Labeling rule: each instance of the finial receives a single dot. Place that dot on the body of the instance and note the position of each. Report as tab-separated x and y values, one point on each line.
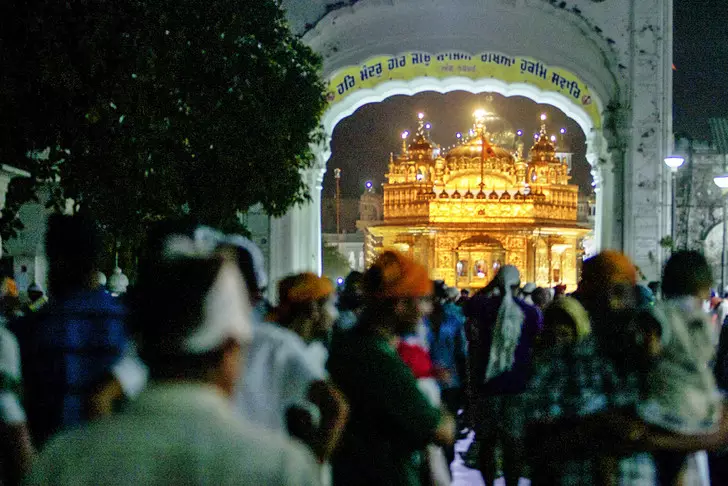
405	134
543	123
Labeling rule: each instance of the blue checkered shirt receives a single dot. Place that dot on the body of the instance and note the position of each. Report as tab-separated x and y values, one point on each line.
577	382
67	351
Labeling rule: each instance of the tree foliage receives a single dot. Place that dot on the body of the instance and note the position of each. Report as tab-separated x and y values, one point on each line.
153	109
335	264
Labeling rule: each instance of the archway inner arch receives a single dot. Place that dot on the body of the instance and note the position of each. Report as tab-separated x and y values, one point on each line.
411	73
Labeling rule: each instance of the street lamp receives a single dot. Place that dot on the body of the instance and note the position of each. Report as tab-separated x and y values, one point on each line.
674	163
722	182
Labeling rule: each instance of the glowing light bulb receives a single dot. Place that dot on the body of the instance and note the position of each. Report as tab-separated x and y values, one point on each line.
519	133
340	281
543	116
563	131
535	135
458	135
428	126
479	114
405	134
553	138
420	115
369	184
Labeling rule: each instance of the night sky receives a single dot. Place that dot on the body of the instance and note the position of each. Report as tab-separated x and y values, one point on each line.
361	143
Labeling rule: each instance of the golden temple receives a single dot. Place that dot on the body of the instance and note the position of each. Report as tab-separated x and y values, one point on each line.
466	211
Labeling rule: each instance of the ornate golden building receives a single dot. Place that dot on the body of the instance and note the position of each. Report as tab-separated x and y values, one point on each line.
466	211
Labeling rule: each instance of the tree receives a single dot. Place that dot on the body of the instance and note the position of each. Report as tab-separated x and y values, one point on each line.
334	263
153	109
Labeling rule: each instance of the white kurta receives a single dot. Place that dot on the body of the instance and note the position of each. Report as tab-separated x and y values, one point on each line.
174	434
279	370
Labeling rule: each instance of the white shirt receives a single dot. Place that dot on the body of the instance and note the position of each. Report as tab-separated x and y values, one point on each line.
180	433
11	411
278	373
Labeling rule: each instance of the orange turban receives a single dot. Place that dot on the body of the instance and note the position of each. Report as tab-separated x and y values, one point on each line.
394	275
9	288
607	268
305	287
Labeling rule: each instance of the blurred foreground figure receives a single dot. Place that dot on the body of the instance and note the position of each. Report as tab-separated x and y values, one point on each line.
70	347
194	321
391	420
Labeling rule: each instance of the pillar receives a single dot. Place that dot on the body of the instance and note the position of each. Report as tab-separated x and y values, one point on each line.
295	238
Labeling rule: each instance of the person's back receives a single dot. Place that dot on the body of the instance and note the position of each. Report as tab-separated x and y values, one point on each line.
174	434
277	375
682	392
67	351
68	348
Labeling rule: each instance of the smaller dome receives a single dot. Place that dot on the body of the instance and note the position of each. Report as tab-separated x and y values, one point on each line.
481	195
456	195
518	196
432	194
493	195
505	196
444	195
469	195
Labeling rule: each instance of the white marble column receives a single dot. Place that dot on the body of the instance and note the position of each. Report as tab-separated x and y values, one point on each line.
647	213
295	238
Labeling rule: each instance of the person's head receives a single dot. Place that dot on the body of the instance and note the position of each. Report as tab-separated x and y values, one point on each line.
687	273
608	281
351	297
645	297
194	321
250	262
464	294
541	297
508	278
35	292
398	292
73	246
439	292
453	294
527	290
566	322
307	305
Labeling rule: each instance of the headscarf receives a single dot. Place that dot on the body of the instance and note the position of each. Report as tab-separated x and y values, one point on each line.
394	275
507	330
578	314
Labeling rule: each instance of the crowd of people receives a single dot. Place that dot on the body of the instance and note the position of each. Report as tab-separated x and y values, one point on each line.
193	377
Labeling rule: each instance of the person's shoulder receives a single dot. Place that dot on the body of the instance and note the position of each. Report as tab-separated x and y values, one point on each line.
267	450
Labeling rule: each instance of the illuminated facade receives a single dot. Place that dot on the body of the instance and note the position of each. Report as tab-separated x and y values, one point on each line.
466	211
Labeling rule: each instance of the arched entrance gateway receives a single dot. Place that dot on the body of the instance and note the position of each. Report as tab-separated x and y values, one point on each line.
606	64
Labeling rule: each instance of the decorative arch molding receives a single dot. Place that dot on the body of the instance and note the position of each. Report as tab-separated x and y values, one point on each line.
386	89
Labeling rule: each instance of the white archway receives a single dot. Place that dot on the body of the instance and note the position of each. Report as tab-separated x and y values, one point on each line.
621	50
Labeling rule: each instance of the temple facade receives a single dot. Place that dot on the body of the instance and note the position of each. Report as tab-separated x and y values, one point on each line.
467	210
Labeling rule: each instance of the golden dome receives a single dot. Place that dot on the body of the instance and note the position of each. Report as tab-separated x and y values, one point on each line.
456	195
481	195
469	195
518	196
505	196
493	195
444	195
472	148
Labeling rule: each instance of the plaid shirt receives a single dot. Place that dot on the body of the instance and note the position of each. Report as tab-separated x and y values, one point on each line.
67	350
578	382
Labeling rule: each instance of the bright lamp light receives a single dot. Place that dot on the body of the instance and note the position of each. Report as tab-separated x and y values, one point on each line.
674	162
721	181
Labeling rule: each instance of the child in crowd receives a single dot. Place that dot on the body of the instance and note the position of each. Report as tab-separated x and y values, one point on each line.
681	393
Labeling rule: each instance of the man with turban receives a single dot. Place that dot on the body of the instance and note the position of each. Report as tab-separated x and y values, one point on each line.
194	321
391	420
